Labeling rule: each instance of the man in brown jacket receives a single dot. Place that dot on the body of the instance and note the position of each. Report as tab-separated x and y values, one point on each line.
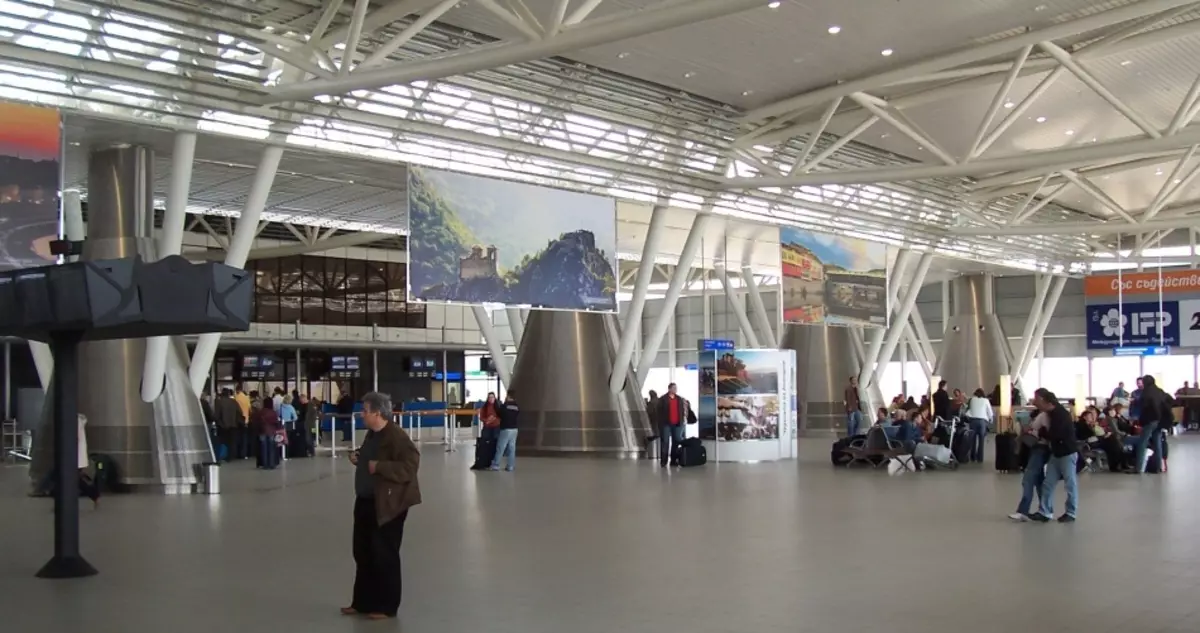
385	486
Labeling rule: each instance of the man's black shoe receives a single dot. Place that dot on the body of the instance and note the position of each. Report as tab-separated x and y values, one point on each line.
1066	518
1038	517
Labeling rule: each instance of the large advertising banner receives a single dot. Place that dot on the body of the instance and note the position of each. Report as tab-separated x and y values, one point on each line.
481	240
30	179
748	398
1143	309
832	280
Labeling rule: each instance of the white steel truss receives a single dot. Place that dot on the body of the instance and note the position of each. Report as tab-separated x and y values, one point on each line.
238	69
1007	195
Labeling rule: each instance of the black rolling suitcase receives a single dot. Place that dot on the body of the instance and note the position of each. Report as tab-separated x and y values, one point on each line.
964	441
297	444
1006	453
691	452
485	452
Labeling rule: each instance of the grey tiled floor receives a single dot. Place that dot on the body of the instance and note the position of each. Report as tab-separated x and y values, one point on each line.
592	546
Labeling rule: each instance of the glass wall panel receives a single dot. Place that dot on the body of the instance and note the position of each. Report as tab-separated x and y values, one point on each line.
291	272
1170	372
1109	371
1059	375
312	302
356	292
377	293
266	291
333	289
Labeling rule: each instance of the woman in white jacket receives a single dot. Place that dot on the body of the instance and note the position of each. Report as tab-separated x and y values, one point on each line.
979	414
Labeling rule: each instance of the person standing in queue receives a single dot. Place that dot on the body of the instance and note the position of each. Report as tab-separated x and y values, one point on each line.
506	436
385	489
854	416
229	420
241	447
672	415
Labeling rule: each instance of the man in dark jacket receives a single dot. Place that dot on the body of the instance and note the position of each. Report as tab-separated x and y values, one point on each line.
506	436
228	417
1156	418
941	402
1064	453
672	416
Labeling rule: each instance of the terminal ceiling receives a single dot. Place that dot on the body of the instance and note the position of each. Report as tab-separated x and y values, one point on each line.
712	110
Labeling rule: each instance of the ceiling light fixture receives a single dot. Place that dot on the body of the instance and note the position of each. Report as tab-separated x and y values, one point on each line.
887	52
1158	172
747	93
774	5
622	55
834	30
689	74
1126	62
1040	119
1009	104
1070	132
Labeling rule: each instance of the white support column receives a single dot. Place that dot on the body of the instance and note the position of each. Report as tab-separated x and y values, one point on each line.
1039	332
760	308
682	270
239	250
1041	288
906	308
877	334
637	305
7	380
493	344
672	352
738	308
921	337
516	325
170	242
945	307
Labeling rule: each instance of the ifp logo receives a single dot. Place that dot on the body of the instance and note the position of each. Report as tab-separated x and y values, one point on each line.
1147	323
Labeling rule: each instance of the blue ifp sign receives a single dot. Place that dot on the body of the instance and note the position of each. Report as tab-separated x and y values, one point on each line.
1133	325
715	344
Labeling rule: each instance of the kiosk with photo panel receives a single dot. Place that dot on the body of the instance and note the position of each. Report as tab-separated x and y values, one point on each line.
746	409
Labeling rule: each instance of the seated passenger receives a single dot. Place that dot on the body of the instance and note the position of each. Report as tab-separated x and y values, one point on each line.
881	417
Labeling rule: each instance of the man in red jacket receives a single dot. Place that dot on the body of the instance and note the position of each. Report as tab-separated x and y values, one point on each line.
672	415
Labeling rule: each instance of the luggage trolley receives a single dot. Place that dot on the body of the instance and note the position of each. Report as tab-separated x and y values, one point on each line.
935	456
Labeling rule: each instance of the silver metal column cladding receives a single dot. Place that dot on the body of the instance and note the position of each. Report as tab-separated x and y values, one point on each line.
156	445
825	361
562	383
971	355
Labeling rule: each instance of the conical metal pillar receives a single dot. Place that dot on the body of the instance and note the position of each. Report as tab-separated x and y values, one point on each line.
156	445
972	356
825	361
561	380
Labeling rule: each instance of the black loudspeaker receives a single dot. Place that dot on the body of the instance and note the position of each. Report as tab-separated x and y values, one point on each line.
125	298
486	365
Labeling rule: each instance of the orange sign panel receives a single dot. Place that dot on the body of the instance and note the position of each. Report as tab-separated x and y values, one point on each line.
1129	284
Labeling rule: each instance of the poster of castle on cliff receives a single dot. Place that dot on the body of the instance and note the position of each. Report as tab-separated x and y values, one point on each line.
30	146
483	240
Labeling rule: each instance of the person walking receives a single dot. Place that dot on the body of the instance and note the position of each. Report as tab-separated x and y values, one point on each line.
229	418
979	414
1156	418
672	415
506	436
1033	474
1064	454
385	489
853	404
